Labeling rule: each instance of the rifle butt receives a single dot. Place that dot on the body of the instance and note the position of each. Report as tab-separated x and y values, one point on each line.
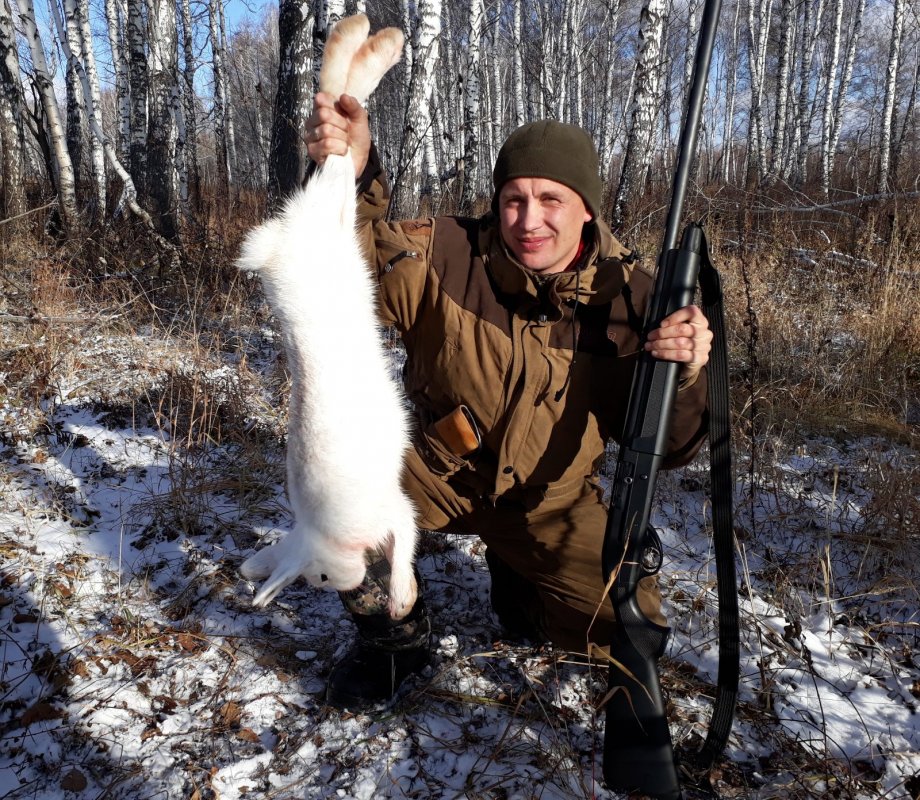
638	754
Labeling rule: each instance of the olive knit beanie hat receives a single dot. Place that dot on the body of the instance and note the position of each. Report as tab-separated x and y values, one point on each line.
554	150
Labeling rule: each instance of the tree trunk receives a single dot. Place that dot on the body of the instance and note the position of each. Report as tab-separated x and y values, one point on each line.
79	11
293	100
607	136
12	163
471	95
837	116
806	103
786	30
61	166
728	131
646	100
425	50
192	183
757	58
517	65
221	148
891	80
162	187
120	67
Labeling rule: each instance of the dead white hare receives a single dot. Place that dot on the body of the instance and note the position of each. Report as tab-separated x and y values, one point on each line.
348	427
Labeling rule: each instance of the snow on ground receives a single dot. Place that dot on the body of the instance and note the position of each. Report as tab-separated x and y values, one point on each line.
133	665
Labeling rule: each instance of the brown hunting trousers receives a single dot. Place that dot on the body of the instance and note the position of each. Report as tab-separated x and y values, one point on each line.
552	538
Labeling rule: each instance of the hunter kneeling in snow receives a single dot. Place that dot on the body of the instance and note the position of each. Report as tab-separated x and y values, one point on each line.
522	334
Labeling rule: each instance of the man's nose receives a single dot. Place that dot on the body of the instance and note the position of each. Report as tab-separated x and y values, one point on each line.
531	218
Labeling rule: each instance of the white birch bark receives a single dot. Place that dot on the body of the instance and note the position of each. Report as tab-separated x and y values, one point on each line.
608	126
786	29
75	105
643	114
221	147
12	162
189	187
575	54
228	106
728	130
498	102
137	61
115	28
471	97
517	65
79	11
805	107
162	135
425	46
837	115
61	165
758	35
891	79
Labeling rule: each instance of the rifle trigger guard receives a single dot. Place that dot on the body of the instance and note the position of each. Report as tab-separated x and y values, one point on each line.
652	553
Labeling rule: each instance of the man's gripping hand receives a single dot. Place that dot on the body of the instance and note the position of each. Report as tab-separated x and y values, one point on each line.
684	336
335	126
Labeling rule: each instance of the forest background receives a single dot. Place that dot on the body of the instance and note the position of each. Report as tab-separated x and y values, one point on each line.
140	139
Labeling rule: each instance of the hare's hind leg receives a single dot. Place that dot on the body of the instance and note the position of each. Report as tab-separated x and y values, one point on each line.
345	40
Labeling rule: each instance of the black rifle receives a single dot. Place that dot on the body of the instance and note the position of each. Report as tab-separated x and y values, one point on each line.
638	754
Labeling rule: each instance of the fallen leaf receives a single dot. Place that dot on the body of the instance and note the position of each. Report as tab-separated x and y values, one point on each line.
248	735
39	712
74	781
230	713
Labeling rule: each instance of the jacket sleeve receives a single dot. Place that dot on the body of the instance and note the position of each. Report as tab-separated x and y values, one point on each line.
689	422
690	413
398	253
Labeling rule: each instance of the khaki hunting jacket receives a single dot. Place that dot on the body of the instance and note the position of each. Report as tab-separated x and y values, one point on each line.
544	365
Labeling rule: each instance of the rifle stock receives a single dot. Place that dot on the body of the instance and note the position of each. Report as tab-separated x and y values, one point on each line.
638	755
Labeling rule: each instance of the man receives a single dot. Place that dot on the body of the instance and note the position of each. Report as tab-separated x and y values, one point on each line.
522	331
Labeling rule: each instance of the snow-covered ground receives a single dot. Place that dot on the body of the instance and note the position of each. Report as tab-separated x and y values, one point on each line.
133	665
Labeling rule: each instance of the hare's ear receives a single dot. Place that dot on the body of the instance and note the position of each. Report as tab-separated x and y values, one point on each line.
371	62
344	41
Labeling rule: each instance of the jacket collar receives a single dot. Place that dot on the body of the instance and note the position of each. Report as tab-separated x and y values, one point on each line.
603	272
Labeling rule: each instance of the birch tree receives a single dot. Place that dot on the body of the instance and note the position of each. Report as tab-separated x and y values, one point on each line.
834	103
891	80
221	146
12	199
646	97
417	125
137	80
162	190
471	94
813	16
777	158
728	129
117	46
759	12
189	188
60	167
293	100
517	65
78	12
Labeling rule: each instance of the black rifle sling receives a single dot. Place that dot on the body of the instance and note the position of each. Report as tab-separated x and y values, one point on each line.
721	496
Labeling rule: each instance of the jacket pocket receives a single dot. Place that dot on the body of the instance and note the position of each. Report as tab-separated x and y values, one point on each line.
448	444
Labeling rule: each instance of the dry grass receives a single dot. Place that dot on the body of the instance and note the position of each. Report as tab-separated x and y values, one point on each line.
824	339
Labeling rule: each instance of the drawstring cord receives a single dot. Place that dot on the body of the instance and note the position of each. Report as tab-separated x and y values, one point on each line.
568	375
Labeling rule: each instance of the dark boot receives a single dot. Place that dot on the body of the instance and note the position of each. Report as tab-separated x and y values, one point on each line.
387	651
515	601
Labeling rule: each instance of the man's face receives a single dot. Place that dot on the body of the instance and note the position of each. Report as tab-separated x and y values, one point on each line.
541	222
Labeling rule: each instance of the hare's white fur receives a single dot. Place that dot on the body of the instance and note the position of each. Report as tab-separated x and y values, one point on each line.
347	426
